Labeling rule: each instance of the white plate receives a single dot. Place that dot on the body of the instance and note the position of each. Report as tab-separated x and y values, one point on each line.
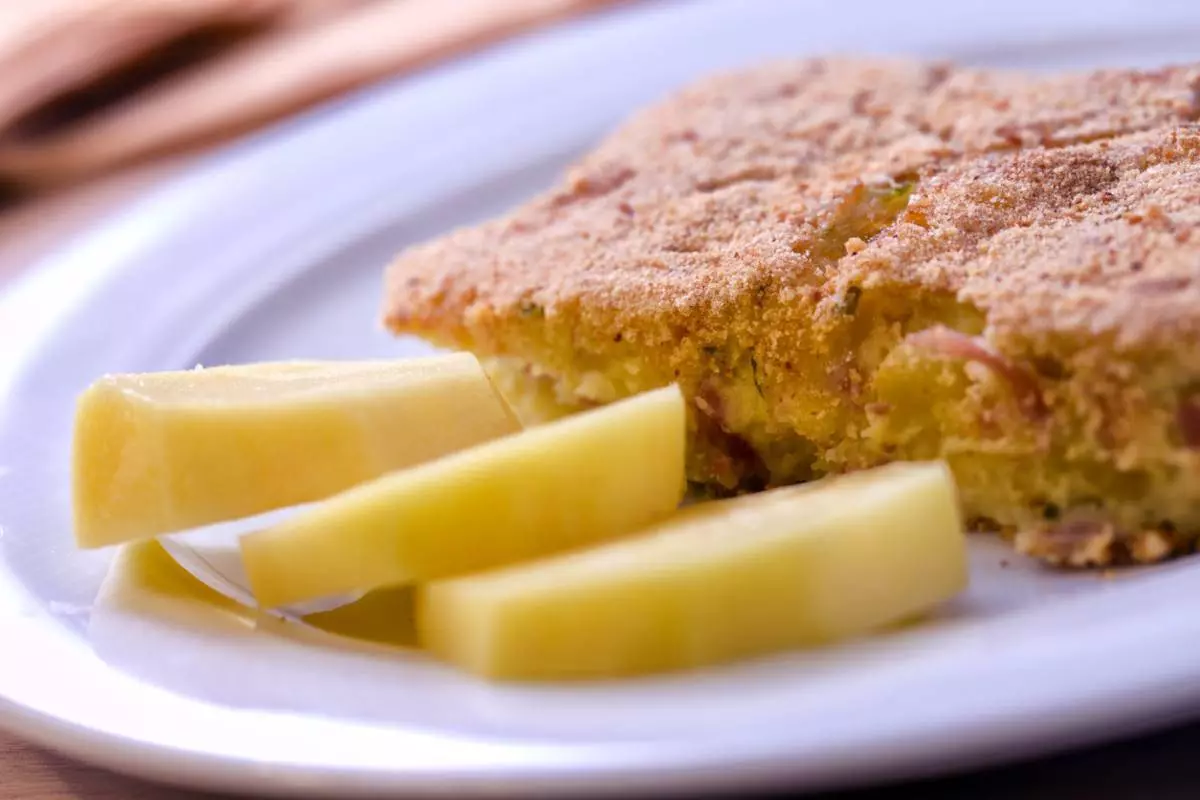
275	250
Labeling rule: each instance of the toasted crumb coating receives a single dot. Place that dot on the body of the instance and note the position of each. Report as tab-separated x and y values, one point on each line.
848	262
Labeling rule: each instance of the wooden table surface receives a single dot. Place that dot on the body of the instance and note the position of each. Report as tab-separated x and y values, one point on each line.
27	773
1160	766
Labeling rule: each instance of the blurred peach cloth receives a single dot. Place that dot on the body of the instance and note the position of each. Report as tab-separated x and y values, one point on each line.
101	99
87	86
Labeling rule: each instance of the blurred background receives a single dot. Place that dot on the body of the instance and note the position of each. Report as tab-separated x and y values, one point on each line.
100	98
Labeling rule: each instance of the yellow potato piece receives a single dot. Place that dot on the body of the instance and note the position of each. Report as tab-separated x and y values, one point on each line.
719	581
143	578
169	451
143	575
580	480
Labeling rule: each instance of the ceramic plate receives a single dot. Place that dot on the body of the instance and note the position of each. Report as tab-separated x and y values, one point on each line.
274	249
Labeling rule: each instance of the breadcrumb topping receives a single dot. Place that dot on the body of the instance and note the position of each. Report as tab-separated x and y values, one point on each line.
844	262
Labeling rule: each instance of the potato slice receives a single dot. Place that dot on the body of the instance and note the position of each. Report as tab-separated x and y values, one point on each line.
718	581
580	480
144	579
164	452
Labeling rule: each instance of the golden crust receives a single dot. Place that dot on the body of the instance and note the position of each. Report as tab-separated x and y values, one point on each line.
1093	240
698	197
805	246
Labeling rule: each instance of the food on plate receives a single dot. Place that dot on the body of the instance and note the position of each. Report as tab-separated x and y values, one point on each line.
163	452
144	579
383	617
553	553
143	575
584	479
849	262
723	580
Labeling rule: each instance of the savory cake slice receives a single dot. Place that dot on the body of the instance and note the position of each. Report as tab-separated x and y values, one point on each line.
845	262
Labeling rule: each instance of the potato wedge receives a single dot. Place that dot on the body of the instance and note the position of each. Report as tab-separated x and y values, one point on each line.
594	476
164	452
143	578
718	581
